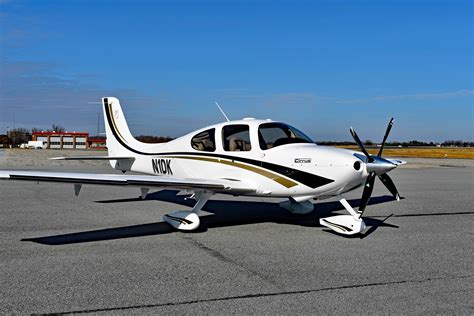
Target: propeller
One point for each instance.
(368, 188)
(376, 166)
(361, 146)
(387, 131)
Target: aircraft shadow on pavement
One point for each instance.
(225, 213)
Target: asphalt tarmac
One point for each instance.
(109, 252)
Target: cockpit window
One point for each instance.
(236, 138)
(271, 135)
(204, 141)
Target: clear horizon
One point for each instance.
(321, 66)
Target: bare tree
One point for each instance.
(3, 140)
(19, 135)
(57, 128)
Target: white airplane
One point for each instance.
(248, 157)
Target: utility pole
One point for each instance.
(98, 123)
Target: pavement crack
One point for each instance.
(214, 253)
(258, 295)
(221, 257)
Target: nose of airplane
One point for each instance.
(380, 165)
(352, 169)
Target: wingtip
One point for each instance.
(4, 174)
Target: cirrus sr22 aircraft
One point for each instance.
(248, 157)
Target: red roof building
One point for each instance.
(62, 140)
(97, 143)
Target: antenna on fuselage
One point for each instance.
(222, 111)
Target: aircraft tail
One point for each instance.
(120, 141)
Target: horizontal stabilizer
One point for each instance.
(92, 158)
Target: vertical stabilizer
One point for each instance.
(120, 142)
(119, 139)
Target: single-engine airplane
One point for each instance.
(247, 157)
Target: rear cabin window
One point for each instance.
(236, 138)
(204, 141)
(271, 135)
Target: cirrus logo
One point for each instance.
(302, 160)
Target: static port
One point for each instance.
(357, 165)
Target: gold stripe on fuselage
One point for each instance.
(275, 177)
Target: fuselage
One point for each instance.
(250, 151)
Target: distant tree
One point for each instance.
(453, 143)
(35, 130)
(18, 136)
(411, 143)
(3, 140)
(335, 143)
(417, 143)
(57, 128)
(368, 142)
(467, 144)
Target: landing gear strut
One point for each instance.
(345, 224)
(298, 205)
(188, 220)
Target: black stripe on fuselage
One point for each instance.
(311, 180)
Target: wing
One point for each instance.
(142, 181)
(92, 158)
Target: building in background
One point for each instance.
(62, 140)
(96, 143)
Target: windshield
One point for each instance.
(275, 134)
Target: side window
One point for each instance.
(236, 138)
(204, 141)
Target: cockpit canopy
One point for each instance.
(238, 137)
(272, 135)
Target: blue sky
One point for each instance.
(322, 66)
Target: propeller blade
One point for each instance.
(361, 146)
(368, 188)
(387, 131)
(388, 182)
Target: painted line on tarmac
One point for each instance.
(237, 297)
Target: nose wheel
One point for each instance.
(345, 224)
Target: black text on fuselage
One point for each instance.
(162, 166)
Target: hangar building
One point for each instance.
(62, 140)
